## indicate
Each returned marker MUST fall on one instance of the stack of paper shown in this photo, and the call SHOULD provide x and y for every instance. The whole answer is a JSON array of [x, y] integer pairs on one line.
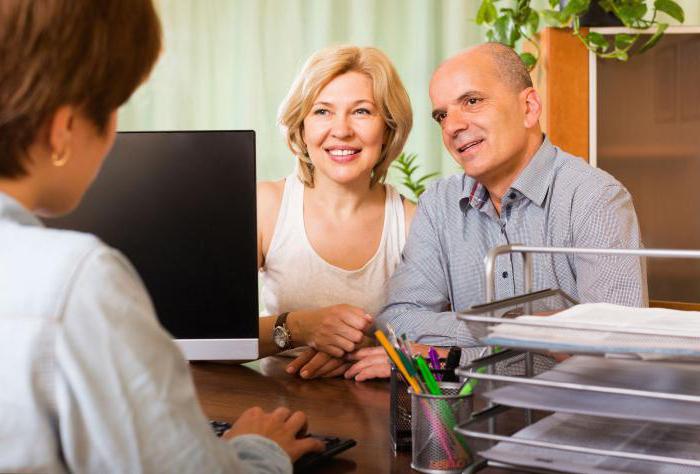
[[659, 377], [669, 443], [650, 333]]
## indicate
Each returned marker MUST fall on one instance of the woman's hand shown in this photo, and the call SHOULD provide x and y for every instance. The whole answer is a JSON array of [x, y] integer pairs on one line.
[[372, 362], [335, 330], [313, 364], [281, 426]]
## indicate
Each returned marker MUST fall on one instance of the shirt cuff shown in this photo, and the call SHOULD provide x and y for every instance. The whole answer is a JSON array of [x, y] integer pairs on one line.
[[256, 450]]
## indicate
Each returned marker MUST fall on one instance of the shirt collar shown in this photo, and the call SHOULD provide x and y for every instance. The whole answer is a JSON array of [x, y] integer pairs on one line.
[[473, 193], [12, 210], [533, 182]]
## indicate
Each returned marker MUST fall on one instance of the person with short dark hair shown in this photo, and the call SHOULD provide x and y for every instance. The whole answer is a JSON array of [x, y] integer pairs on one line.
[[517, 187], [90, 380]]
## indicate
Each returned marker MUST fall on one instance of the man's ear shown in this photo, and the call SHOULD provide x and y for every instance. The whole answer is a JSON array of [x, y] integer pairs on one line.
[[60, 128], [533, 107]]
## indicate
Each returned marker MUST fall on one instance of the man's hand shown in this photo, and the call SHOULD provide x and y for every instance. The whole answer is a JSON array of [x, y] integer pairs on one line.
[[313, 364], [281, 426], [335, 330], [372, 362]]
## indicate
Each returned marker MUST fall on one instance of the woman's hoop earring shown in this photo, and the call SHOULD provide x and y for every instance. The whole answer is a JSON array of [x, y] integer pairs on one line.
[[60, 160]]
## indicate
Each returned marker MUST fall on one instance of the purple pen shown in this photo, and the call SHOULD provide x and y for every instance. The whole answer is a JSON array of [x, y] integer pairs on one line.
[[434, 362]]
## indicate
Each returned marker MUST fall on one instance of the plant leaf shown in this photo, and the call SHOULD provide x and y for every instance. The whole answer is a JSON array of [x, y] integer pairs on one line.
[[504, 29], [621, 55], [597, 40], [576, 7], [606, 5], [655, 38], [533, 22], [630, 15], [624, 41], [555, 18], [670, 8], [487, 13], [427, 177], [529, 59]]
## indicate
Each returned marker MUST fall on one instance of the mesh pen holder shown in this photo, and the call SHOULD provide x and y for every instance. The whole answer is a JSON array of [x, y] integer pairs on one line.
[[399, 413], [437, 447], [400, 408]]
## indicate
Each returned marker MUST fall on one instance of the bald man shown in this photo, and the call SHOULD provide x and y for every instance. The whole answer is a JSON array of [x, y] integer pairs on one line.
[[516, 188]]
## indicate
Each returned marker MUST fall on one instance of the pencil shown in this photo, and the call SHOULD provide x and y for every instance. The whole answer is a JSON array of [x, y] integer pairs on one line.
[[396, 360]]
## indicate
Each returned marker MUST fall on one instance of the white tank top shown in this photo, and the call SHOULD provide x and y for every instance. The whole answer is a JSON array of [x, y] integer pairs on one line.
[[295, 277]]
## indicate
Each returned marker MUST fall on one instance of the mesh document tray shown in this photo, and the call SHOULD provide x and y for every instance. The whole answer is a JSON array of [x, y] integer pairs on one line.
[[596, 414], [496, 327], [563, 442], [624, 410]]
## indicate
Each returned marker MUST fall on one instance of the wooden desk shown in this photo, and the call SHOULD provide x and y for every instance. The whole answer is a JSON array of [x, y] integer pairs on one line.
[[335, 406]]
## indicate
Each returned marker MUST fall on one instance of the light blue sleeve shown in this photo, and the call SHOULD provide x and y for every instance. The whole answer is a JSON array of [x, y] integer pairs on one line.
[[606, 219], [125, 401], [418, 301]]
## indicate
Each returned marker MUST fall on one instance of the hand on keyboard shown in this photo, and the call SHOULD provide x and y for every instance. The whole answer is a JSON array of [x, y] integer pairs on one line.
[[281, 426], [332, 446]]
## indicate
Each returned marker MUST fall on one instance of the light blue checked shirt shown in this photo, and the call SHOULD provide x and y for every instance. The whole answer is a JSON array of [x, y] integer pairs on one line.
[[558, 201], [89, 380]]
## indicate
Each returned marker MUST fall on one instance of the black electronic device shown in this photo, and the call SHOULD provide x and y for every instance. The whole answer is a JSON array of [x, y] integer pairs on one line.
[[334, 445], [181, 207]]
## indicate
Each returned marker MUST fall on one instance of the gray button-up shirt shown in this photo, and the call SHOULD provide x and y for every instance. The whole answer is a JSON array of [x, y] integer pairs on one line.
[[557, 201]]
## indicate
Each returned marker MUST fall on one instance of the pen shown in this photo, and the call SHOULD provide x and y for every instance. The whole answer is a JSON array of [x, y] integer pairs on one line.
[[469, 385], [451, 363], [434, 362], [407, 344], [397, 360], [428, 376], [411, 369]]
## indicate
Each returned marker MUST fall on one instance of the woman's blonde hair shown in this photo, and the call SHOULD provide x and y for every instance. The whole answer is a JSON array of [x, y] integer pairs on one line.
[[389, 94]]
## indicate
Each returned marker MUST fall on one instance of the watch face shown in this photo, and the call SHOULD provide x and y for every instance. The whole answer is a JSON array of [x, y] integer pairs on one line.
[[280, 337]]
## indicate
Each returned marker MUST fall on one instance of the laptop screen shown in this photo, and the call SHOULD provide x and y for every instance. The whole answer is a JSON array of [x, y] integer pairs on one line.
[[181, 207]]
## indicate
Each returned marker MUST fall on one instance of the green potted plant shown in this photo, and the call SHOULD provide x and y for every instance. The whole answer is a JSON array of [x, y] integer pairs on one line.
[[406, 166], [513, 21]]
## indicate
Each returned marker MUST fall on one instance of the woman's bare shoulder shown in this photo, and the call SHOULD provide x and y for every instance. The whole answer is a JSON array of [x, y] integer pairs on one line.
[[269, 193]]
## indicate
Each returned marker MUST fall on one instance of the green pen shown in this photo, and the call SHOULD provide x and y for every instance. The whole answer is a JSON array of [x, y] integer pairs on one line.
[[411, 369], [468, 386], [428, 376]]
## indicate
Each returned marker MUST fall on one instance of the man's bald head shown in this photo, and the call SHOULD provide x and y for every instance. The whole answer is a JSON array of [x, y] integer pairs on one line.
[[488, 113], [507, 65]]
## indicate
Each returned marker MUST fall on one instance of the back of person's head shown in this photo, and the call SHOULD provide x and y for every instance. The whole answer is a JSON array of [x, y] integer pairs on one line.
[[389, 94], [90, 54]]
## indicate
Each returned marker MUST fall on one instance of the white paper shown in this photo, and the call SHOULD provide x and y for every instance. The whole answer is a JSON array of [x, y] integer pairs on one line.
[[672, 334], [602, 433], [663, 377]]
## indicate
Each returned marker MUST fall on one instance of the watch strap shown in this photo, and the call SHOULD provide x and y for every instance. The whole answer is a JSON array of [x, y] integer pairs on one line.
[[281, 322]]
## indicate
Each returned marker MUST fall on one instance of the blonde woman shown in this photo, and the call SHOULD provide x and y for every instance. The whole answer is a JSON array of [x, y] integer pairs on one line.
[[331, 233]]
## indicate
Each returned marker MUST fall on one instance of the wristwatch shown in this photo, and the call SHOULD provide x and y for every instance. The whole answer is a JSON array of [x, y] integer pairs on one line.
[[281, 335]]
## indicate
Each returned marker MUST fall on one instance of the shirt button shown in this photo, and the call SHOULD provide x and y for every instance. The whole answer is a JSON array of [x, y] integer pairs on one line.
[[505, 274], [512, 196]]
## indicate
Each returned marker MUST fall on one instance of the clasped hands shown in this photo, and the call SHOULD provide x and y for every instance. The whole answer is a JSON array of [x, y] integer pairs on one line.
[[338, 345]]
